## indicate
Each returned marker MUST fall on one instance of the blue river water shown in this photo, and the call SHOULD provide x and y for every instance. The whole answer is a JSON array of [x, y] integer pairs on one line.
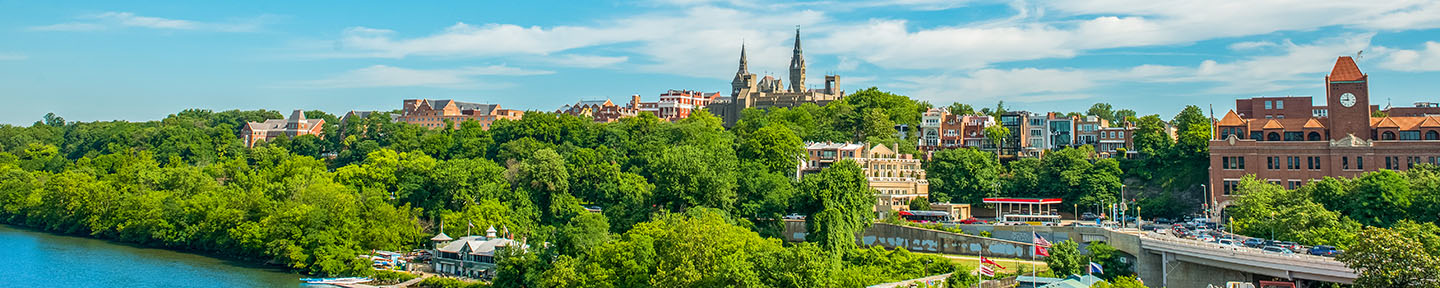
[[36, 259]]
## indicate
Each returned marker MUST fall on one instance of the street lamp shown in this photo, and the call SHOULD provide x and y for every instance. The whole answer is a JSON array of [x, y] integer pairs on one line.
[[1206, 199]]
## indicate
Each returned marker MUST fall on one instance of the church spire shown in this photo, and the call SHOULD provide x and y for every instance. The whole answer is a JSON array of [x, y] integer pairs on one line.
[[744, 65], [797, 66]]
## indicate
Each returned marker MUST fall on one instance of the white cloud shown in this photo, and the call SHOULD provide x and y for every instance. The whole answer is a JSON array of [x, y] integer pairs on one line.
[[115, 20], [1025, 84], [1427, 59], [585, 61], [388, 76], [1251, 45], [5, 56]]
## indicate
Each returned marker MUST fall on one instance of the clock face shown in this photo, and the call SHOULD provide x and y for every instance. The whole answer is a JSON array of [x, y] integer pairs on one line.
[[1347, 99]]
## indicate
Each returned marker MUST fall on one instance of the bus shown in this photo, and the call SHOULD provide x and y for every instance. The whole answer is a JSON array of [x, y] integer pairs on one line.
[[925, 216]]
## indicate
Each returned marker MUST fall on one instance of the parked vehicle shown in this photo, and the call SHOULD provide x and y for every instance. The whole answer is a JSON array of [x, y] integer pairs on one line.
[[1254, 242], [1277, 250], [795, 216], [1088, 216], [1324, 250], [973, 220], [1165, 221]]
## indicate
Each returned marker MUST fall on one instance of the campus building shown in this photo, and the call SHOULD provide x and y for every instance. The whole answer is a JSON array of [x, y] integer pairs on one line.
[[675, 104], [896, 178], [433, 113], [750, 91], [470, 256], [602, 111], [296, 125], [1290, 141]]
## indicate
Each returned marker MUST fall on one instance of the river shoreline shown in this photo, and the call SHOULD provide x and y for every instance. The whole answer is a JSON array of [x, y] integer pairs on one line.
[[36, 258]]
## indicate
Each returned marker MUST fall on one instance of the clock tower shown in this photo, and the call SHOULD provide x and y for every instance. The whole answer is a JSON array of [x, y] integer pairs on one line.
[[1347, 96]]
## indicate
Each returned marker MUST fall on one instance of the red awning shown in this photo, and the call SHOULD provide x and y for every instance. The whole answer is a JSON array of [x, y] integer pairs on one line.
[[1023, 200]]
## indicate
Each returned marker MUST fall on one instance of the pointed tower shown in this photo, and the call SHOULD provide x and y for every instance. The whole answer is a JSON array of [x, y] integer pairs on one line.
[[797, 66], [739, 82]]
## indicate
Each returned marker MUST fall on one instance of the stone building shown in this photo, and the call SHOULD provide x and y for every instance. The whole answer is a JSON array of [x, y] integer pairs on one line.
[[1290, 142], [433, 113], [895, 178], [296, 125], [750, 91]]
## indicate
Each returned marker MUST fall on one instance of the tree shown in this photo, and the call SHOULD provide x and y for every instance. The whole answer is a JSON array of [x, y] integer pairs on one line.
[[997, 135], [958, 108], [583, 233], [1102, 110], [962, 175], [1110, 259], [1150, 137], [919, 204], [1125, 115], [1064, 259], [1386, 258], [688, 176], [1121, 282], [776, 147], [838, 203]]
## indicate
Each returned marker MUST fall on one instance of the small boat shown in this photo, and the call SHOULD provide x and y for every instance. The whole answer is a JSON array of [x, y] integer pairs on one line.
[[343, 280]]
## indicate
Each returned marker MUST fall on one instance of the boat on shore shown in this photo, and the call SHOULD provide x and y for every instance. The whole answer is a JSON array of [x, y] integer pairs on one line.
[[342, 280]]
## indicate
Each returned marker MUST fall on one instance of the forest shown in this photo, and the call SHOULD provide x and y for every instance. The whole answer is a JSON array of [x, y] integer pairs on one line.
[[688, 203]]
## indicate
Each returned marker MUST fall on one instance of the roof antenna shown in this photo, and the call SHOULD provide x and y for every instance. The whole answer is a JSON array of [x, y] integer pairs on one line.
[[1358, 54]]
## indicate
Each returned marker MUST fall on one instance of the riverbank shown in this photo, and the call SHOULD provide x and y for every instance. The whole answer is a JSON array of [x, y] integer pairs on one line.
[[36, 258]]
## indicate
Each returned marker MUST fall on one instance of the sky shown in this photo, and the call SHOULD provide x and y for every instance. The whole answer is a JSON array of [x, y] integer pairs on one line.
[[144, 60]]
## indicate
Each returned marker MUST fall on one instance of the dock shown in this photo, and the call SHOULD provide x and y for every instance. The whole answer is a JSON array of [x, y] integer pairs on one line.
[[401, 285]]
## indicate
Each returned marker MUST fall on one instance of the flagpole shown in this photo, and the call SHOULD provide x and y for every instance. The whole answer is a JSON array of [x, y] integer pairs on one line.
[[1034, 249], [982, 268]]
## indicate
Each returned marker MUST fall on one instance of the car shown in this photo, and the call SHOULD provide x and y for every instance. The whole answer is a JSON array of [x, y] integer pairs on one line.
[[1277, 250], [1088, 216], [972, 220], [1165, 221], [1228, 242], [1324, 250], [1205, 237], [1294, 247], [1254, 242], [795, 216]]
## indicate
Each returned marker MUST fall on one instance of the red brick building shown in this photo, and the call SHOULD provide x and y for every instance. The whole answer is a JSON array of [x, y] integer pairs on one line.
[[296, 125], [675, 104], [1282, 144], [433, 113]]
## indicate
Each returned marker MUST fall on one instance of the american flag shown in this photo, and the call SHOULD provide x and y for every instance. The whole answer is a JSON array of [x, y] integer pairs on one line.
[[1041, 241], [987, 271]]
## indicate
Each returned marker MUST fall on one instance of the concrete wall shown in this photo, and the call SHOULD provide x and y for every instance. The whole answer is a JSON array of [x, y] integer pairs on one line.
[[925, 240]]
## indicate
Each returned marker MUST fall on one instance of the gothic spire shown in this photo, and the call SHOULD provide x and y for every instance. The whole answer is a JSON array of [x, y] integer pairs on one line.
[[743, 63], [797, 66]]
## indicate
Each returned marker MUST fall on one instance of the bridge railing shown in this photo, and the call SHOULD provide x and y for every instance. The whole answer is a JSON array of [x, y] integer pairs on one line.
[[1239, 250]]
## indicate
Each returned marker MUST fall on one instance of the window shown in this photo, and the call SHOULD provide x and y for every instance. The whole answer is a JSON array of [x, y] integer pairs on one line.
[[1294, 184], [1272, 163], [1230, 186], [1292, 162], [1359, 162], [1232, 163], [1345, 163], [1316, 166], [1272, 136], [1268, 105], [1122, 134], [1280, 104], [1294, 136], [1314, 136], [1432, 135], [1387, 135], [1256, 135], [1409, 135]]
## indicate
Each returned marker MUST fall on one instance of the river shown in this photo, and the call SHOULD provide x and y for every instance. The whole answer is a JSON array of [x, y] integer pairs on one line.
[[37, 259]]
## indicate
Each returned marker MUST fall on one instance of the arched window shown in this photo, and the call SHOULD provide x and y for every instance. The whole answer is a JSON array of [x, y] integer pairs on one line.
[[1432, 135], [1314, 136], [1273, 136], [1387, 135]]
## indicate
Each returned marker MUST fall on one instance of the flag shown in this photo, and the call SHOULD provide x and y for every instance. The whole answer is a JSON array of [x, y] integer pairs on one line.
[[991, 262], [987, 271], [1096, 268], [1041, 251], [1040, 241]]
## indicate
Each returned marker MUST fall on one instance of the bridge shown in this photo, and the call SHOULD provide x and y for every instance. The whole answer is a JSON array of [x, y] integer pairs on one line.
[[1160, 260]]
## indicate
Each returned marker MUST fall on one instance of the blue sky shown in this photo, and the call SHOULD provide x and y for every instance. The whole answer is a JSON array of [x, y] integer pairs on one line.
[[105, 60]]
